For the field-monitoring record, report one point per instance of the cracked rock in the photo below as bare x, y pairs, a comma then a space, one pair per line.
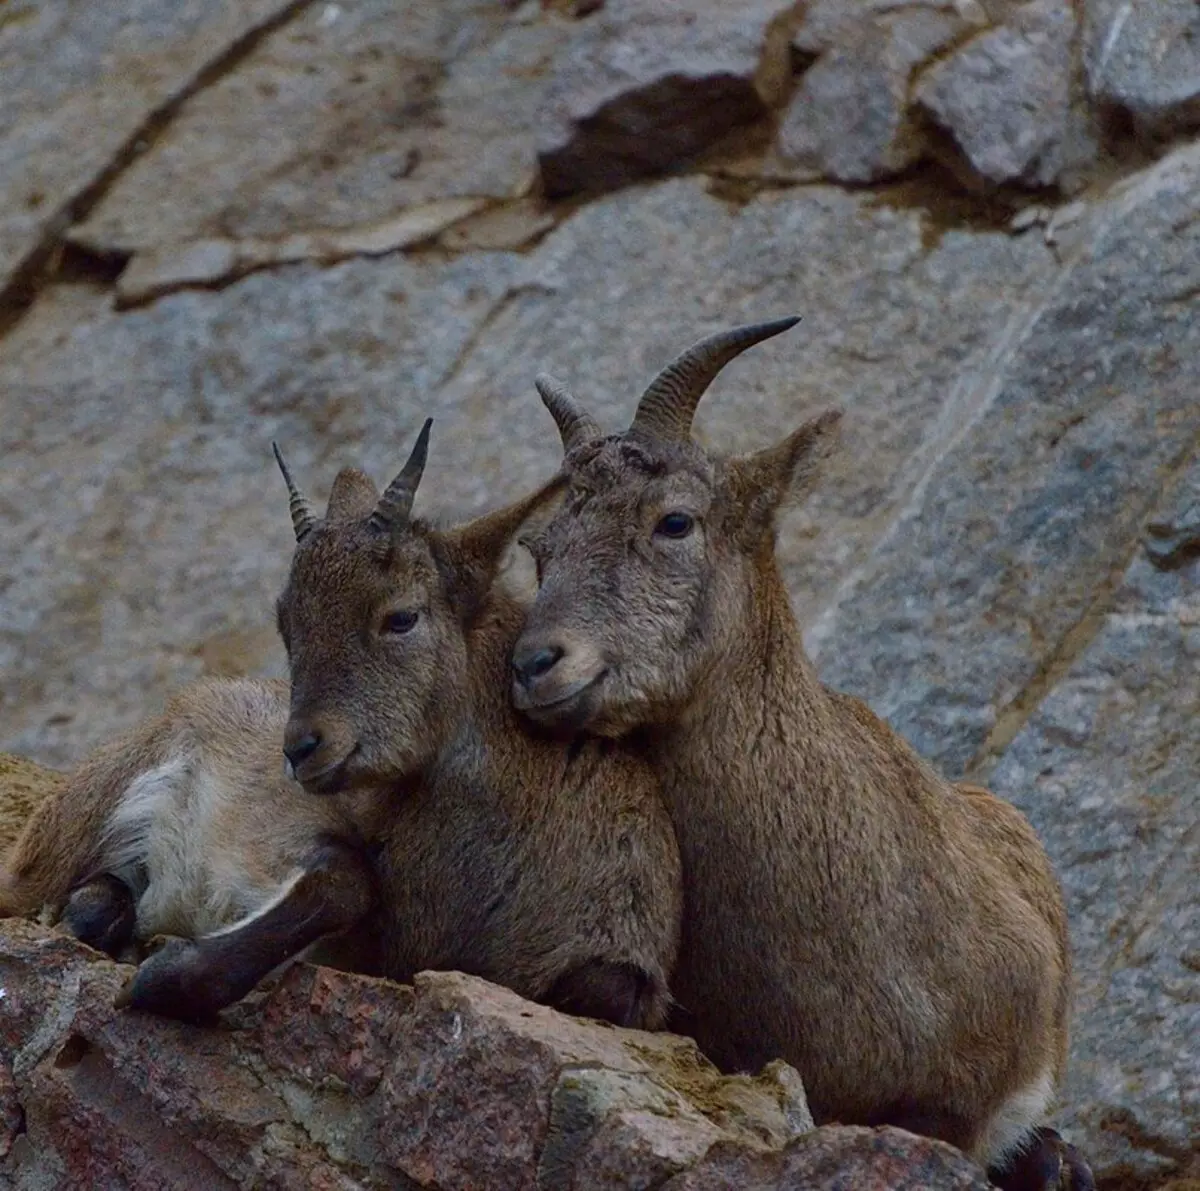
161, 270
1004, 98
351, 116
79, 82
647, 84
836, 1159
849, 119
337, 1081
1106, 770
1145, 58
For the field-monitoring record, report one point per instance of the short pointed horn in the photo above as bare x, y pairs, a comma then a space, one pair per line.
395, 505
575, 424
303, 517
668, 406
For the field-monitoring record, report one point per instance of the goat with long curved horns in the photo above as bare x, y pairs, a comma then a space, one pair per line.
901, 940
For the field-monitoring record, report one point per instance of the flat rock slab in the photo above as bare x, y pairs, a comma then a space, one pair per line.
996, 608
79, 83
1057, 460
343, 119
338, 1081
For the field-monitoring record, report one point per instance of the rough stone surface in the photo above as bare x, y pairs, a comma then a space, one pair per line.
149, 534
993, 598
1005, 97
648, 83
1145, 59
1106, 770
335, 1081
79, 83
342, 118
850, 118
833, 1159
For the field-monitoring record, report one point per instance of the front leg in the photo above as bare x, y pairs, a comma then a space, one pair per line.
194, 980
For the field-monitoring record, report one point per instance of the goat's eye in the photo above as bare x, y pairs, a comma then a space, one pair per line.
399, 622
675, 525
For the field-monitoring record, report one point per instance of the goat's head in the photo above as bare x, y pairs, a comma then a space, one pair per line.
374, 618
645, 570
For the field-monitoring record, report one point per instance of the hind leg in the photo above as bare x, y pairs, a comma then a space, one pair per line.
1046, 1163
621, 993
101, 913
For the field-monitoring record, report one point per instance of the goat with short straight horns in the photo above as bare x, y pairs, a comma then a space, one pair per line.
418, 827
901, 940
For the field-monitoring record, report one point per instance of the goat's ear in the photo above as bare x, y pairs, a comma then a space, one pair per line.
352, 497
763, 483
472, 553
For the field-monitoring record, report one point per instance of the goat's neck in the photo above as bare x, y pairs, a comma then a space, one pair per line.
762, 726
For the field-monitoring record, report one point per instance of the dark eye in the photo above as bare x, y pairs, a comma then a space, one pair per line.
399, 622
675, 525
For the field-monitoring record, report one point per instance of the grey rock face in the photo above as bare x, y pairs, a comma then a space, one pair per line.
80, 83
1005, 97
648, 83
344, 117
1106, 770
850, 118
1145, 59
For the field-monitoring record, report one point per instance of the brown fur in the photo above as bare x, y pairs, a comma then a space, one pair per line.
23, 788
523, 859
900, 940
541, 865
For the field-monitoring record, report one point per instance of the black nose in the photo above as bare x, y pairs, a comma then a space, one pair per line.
528, 666
300, 751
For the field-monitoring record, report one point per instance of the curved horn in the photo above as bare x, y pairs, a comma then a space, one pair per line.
303, 517
575, 424
395, 505
669, 404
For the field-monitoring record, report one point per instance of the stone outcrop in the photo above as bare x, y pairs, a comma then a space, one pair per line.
320, 222
340, 1082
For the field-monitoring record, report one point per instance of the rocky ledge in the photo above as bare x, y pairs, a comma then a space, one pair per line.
337, 1082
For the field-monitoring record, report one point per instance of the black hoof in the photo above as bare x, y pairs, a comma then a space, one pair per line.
620, 993
173, 982
1047, 1163
101, 914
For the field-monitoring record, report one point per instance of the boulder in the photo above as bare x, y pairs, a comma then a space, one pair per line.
334, 1081
647, 84
1004, 98
850, 117
1144, 59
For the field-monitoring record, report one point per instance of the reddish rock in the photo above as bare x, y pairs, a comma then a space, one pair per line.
836, 1158
329, 1080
